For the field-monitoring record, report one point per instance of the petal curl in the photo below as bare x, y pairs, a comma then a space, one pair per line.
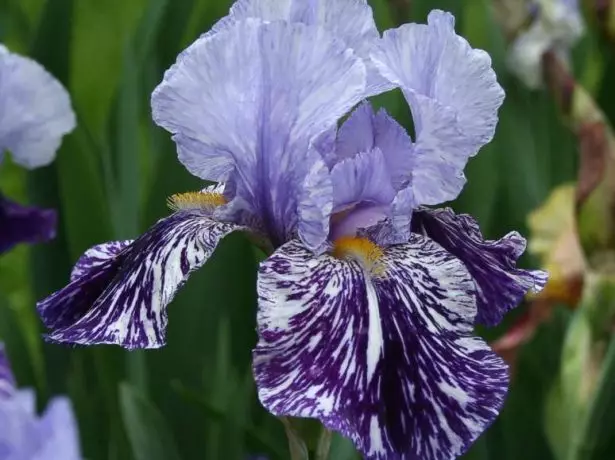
96, 256
352, 21
35, 111
453, 94
492, 263
250, 99
24, 224
123, 300
389, 361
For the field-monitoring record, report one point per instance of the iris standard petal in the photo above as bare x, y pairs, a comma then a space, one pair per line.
35, 111
123, 300
7, 381
349, 20
362, 178
366, 130
24, 224
453, 94
253, 97
387, 360
492, 263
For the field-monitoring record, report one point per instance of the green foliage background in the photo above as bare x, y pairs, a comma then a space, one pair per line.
195, 399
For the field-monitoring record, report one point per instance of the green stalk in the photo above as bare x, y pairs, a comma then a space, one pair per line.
600, 408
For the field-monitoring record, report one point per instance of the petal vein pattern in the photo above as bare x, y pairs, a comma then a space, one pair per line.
390, 361
500, 285
352, 21
122, 300
252, 98
454, 97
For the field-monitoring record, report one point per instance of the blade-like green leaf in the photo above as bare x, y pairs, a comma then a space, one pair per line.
147, 431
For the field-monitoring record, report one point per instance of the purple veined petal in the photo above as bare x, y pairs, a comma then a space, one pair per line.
7, 380
352, 21
24, 224
363, 178
388, 361
35, 111
366, 130
454, 97
256, 95
96, 256
123, 301
492, 263
57, 430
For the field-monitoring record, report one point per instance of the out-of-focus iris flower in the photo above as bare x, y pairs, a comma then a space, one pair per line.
368, 302
35, 113
554, 25
24, 435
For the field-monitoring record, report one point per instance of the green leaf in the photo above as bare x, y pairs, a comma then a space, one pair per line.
147, 431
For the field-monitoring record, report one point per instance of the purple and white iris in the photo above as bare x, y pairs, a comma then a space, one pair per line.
24, 435
35, 113
556, 25
368, 303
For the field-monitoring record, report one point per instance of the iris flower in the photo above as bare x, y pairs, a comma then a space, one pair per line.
35, 113
367, 305
555, 25
24, 435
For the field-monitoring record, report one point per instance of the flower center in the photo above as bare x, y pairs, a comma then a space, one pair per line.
196, 200
362, 250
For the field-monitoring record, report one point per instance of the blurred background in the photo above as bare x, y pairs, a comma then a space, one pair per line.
195, 398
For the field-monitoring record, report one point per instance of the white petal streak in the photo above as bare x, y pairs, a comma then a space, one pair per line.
390, 362
124, 299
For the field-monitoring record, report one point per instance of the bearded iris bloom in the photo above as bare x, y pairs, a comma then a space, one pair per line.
555, 25
35, 113
28, 436
368, 302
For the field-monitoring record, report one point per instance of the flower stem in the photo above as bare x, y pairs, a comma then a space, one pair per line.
601, 405
298, 449
324, 444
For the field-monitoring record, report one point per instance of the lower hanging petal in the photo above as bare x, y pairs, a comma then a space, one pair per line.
96, 256
492, 263
388, 360
122, 300
24, 224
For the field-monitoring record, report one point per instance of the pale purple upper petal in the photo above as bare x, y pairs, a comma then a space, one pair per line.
388, 360
492, 263
24, 224
35, 111
352, 21
366, 130
252, 98
362, 178
454, 97
123, 300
